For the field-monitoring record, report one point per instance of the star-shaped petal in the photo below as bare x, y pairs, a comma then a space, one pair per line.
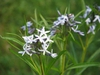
28, 39
42, 31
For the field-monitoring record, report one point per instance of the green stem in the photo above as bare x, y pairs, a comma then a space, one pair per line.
63, 65
36, 68
83, 55
84, 47
63, 47
41, 66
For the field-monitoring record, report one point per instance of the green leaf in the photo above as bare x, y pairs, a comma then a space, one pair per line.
37, 23
35, 14
68, 6
13, 45
77, 15
26, 60
95, 54
53, 61
73, 51
90, 40
14, 35
65, 11
55, 69
83, 4
43, 19
13, 39
71, 35
71, 57
84, 65
36, 18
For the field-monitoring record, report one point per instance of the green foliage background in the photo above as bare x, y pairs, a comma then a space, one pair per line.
14, 14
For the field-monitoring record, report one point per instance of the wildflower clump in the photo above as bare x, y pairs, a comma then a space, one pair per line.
38, 43
68, 21
91, 18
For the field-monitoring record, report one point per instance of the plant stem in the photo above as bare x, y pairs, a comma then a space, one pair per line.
84, 47
41, 66
35, 67
63, 47
63, 64
83, 55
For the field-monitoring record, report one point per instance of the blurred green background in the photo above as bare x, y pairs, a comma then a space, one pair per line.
14, 14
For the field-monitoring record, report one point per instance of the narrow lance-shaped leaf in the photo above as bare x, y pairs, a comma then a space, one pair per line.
14, 35
72, 35
73, 51
13, 39
54, 60
96, 53
37, 23
45, 22
79, 13
84, 65
26, 60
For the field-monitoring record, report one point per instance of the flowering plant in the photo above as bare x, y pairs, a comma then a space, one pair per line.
54, 48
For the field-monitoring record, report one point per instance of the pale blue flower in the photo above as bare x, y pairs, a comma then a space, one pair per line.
53, 55
61, 20
97, 17
77, 31
42, 32
29, 27
28, 39
91, 29
32, 42
67, 20
52, 31
28, 24
87, 11
40, 38
26, 49
87, 21
44, 49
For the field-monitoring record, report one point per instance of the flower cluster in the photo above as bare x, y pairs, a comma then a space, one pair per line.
68, 21
28, 27
38, 43
91, 19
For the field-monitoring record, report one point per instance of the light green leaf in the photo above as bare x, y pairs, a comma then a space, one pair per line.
65, 10
77, 15
13, 39
43, 19
13, 45
14, 35
36, 22
35, 14
83, 65
72, 35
